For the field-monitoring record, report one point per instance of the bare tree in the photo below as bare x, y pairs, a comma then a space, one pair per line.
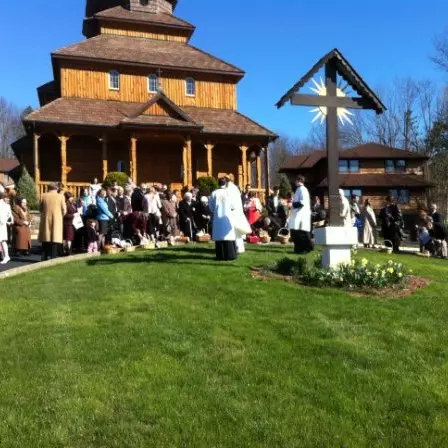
411, 109
10, 127
285, 147
440, 57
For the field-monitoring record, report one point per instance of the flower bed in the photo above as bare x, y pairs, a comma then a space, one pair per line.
358, 274
360, 277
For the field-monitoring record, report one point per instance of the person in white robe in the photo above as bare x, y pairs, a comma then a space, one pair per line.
300, 218
369, 224
222, 206
6, 220
346, 213
242, 226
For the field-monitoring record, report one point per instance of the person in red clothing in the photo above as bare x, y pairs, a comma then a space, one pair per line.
253, 209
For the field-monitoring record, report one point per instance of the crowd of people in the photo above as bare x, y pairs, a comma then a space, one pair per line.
15, 224
142, 214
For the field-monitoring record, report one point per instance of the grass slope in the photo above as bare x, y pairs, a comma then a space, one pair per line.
171, 349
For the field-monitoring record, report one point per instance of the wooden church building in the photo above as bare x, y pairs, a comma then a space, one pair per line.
136, 97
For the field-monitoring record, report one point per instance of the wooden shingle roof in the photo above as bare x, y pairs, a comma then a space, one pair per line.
102, 113
366, 151
146, 52
7, 165
125, 15
396, 180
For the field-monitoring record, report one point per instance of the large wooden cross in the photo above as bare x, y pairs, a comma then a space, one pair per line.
333, 64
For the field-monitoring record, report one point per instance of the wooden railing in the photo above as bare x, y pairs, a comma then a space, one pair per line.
73, 187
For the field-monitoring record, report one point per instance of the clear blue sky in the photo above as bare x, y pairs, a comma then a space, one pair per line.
274, 41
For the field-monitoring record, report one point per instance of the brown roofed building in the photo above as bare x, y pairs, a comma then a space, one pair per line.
135, 96
7, 168
370, 171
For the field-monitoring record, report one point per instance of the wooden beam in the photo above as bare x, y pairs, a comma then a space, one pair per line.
300, 99
185, 164
267, 172
104, 155
249, 172
133, 160
210, 147
332, 147
36, 161
244, 149
259, 186
64, 139
189, 162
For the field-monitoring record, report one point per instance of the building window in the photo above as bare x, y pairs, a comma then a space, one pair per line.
121, 166
190, 87
395, 166
349, 166
153, 83
349, 192
144, 2
400, 196
400, 166
114, 80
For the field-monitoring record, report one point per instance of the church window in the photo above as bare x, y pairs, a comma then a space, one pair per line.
153, 83
121, 166
114, 80
190, 87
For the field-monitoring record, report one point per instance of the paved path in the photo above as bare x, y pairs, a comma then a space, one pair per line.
19, 261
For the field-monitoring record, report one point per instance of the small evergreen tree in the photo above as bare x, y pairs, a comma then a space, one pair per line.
285, 186
26, 188
115, 176
206, 185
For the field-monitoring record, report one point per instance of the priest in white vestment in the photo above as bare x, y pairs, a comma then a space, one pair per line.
346, 213
222, 206
242, 226
300, 218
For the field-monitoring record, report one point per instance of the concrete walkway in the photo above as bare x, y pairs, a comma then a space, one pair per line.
20, 261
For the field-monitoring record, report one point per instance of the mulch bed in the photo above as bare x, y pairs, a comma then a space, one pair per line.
413, 284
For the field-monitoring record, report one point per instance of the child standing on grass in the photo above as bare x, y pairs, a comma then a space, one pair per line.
92, 236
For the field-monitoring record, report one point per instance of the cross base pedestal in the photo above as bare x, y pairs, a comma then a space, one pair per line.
337, 244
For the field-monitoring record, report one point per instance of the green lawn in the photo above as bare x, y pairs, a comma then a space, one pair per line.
171, 349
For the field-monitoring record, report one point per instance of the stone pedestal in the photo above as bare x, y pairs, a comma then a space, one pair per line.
337, 243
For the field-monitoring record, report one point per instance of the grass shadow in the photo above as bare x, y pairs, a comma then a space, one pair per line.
161, 257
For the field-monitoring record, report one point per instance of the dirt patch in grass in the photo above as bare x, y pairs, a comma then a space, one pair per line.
413, 284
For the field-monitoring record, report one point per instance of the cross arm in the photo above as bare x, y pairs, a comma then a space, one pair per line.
300, 99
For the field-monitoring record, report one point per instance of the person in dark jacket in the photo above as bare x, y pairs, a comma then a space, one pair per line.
439, 235
435, 215
276, 209
111, 200
137, 198
68, 228
187, 211
203, 215
392, 223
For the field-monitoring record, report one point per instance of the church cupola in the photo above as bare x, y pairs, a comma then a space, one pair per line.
154, 6
152, 19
